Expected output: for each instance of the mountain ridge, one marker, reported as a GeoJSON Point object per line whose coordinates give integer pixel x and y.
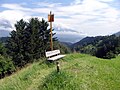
{"type": "Point", "coordinates": [117, 34]}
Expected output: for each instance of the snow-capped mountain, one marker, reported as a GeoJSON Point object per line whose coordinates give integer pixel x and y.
{"type": "Point", "coordinates": [65, 34]}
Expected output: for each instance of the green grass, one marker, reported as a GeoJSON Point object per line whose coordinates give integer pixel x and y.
{"type": "Point", "coordinates": [77, 72]}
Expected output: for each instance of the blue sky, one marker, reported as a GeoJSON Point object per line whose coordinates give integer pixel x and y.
{"type": "Point", "coordinates": [85, 17]}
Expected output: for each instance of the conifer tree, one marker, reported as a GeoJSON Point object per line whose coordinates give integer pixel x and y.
{"type": "Point", "coordinates": [29, 41]}
{"type": "Point", "coordinates": [15, 44]}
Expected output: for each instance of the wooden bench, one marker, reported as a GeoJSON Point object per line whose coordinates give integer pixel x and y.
{"type": "Point", "coordinates": [53, 55]}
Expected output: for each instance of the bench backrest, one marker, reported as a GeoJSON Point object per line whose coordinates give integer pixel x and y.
{"type": "Point", "coordinates": [52, 53]}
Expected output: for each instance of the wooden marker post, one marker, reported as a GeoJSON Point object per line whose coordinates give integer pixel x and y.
{"type": "Point", "coordinates": [51, 19]}
{"type": "Point", "coordinates": [58, 67]}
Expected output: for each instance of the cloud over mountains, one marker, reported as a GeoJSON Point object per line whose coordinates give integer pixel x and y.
{"type": "Point", "coordinates": [68, 35]}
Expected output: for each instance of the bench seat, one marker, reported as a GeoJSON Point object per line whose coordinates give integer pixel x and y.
{"type": "Point", "coordinates": [53, 55]}
{"type": "Point", "coordinates": [56, 57]}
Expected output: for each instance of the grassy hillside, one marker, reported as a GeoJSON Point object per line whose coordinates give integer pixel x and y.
{"type": "Point", "coordinates": [78, 72]}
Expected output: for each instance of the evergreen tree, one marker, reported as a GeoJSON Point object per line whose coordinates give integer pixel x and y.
{"type": "Point", "coordinates": [16, 42]}
{"type": "Point", "coordinates": [34, 39]}
{"type": "Point", "coordinates": [29, 41]}
{"type": "Point", "coordinates": [45, 35]}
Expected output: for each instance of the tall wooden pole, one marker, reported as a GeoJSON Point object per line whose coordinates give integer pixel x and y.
{"type": "Point", "coordinates": [51, 41]}
{"type": "Point", "coordinates": [51, 19]}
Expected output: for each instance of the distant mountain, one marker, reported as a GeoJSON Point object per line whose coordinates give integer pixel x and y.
{"type": "Point", "coordinates": [67, 43]}
{"type": "Point", "coordinates": [117, 34]}
{"type": "Point", "coordinates": [4, 33]}
{"type": "Point", "coordinates": [3, 39]}
{"type": "Point", "coordinates": [87, 40]}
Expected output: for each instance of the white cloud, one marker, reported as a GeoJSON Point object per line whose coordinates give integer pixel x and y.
{"type": "Point", "coordinates": [75, 2]}
{"type": "Point", "coordinates": [103, 17]}
{"type": "Point", "coordinates": [49, 5]}
{"type": "Point", "coordinates": [15, 7]}
{"type": "Point", "coordinates": [93, 17]}
{"type": "Point", "coordinates": [12, 15]}
{"type": "Point", "coordinates": [106, 0]}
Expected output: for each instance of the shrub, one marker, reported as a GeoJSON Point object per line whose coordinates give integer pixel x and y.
{"type": "Point", "coordinates": [6, 66]}
{"type": "Point", "coordinates": [110, 55]}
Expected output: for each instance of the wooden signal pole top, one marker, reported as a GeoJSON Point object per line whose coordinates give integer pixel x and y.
{"type": "Point", "coordinates": [51, 19]}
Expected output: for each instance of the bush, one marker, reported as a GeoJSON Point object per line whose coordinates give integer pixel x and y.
{"type": "Point", "coordinates": [110, 55]}
{"type": "Point", "coordinates": [6, 66]}
{"type": "Point", "coordinates": [63, 48]}
{"type": "Point", "coordinates": [2, 49]}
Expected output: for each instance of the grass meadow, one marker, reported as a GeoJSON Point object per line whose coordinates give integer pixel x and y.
{"type": "Point", "coordinates": [77, 72]}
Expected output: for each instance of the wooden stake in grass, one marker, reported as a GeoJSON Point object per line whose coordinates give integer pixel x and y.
{"type": "Point", "coordinates": [58, 66]}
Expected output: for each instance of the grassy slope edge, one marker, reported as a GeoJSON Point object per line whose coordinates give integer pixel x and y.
{"type": "Point", "coordinates": [78, 72]}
